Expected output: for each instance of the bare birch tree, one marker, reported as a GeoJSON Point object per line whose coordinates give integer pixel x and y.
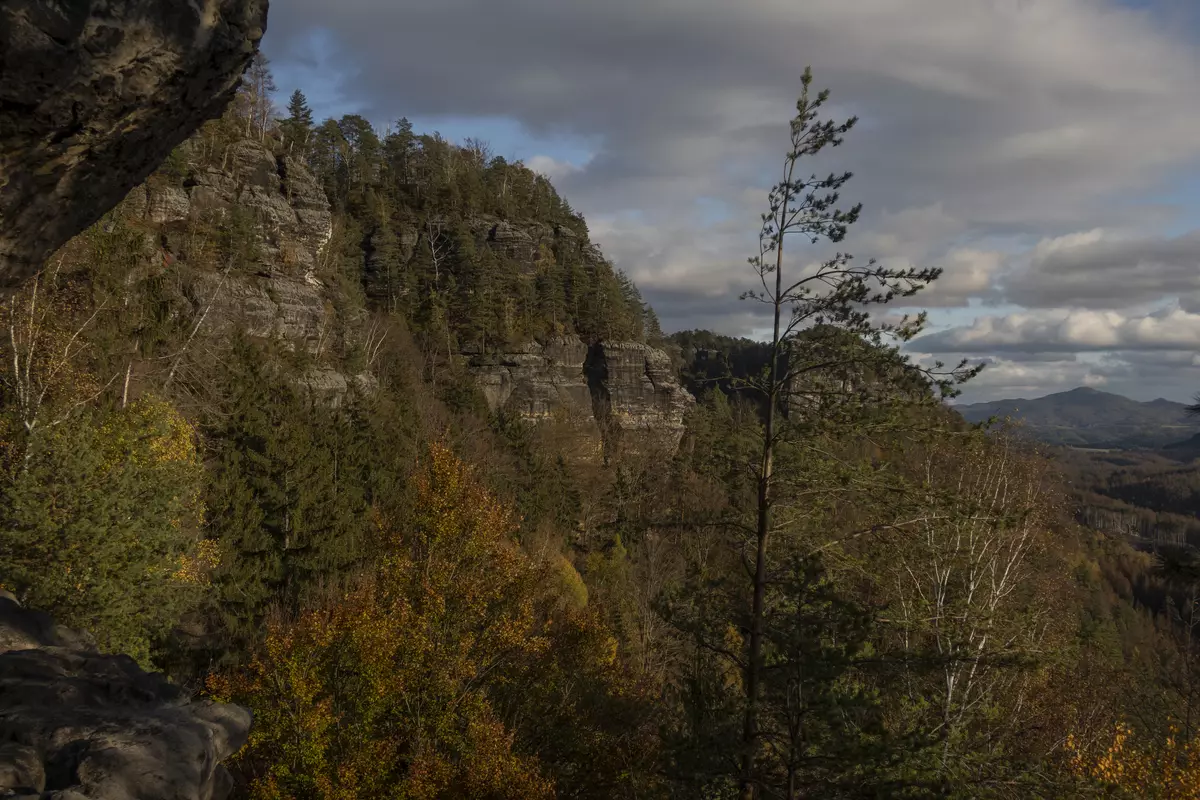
{"type": "Point", "coordinates": [45, 347]}
{"type": "Point", "coordinates": [966, 589]}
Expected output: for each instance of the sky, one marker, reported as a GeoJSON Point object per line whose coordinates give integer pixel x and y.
{"type": "Point", "coordinates": [1044, 153]}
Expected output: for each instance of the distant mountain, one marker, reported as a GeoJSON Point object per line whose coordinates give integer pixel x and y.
{"type": "Point", "coordinates": [1090, 418]}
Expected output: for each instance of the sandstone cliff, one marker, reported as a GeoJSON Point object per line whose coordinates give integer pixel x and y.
{"type": "Point", "coordinates": [76, 724]}
{"type": "Point", "coordinates": [288, 223]}
{"type": "Point", "coordinates": [611, 395]}
{"type": "Point", "coordinates": [93, 96]}
{"type": "Point", "coordinates": [610, 392]}
{"type": "Point", "coordinates": [636, 394]}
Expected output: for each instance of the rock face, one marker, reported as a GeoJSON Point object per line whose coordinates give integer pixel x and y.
{"type": "Point", "coordinates": [635, 392]}
{"type": "Point", "coordinates": [620, 394]}
{"type": "Point", "coordinates": [94, 95]}
{"type": "Point", "coordinates": [290, 214]}
{"type": "Point", "coordinates": [77, 725]}
{"type": "Point", "coordinates": [287, 223]}
{"type": "Point", "coordinates": [537, 381]}
{"type": "Point", "coordinates": [283, 210]}
{"type": "Point", "coordinates": [281, 220]}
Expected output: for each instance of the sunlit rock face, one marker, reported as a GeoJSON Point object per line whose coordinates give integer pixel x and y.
{"type": "Point", "coordinates": [636, 394]}
{"type": "Point", "coordinates": [606, 397]}
{"type": "Point", "coordinates": [94, 95]}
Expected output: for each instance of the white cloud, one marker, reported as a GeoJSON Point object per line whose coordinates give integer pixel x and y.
{"type": "Point", "coordinates": [1106, 269]}
{"type": "Point", "coordinates": [552, 168]}
{"type": "Point", "coordinates": [1074, 330]}
{"type": "Point", "coordinates": [1001, 139]}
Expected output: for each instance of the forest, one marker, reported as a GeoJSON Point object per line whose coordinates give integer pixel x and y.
{"type": "Point", "coordinates": [832, 586]}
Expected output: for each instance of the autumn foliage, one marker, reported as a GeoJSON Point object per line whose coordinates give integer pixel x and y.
{"type": "Point", "coordinates": [406, 684]}
{"type": "Point", "coordinates": [1130, 765]}
{"type": "Point", "coordinates": [102, 524]}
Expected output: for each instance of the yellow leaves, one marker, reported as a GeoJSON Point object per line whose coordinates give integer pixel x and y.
{"type": "Point", "coordinates": [150, 431]}
{"type": "Point", "coordinates": [1167, 770]}
{"type": "Point", "coordinates": [493, 769]}
{"type": "Point", "coordinates": [574, 590]}
{"type": "Point", "coordinates": [196, 567]}
{"type": "Point", "coordinates": [382, 687]}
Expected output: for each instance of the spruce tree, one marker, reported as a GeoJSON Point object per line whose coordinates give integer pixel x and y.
{"type": "Point", "coordinates": [298, 126]}
{"type": "Point", "coordinates": [101, 527]}
{"type": "Point", "coordinates": [287, 495]}
{"type": "Point", "coordinates": [387, 280]}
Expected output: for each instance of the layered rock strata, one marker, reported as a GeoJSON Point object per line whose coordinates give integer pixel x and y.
{"type": "Point", "coordinates": [287, 225]}
{"type": "Point", "coordinates": [611, 395]}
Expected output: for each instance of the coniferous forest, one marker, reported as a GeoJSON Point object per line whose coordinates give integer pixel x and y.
{"type": "Point", "coordinates": [246, 437]}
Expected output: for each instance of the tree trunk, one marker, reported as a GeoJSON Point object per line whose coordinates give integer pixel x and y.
{"type": "Point", "coordinates": [754, 655]}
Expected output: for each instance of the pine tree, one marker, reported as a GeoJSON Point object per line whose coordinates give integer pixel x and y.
{"type": "Point", "coordinates": [651, 326]}
{"type": "Point", "coordinates": [364, 150]}
{"type": "Point", "coordinates": [298, 126]}
{"type": "Point", "coordinates": [551, 295]}
{"type": "Point", "coordinates": [285, 497]}
{"type": "Point", "coordinates": [329, 159]}
{"type": "Point", "coordinates": [399, 154]}
{"type": "Point", "coordinates": [833, 375]}
{"type": "Point", "coordinates": [820, 723]}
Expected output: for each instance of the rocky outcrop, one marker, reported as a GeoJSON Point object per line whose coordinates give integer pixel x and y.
{"type": "Point", "coordinates": [622, 395]}
{"type": "Point", "coordinates": [283, 211]}
{"type": "Point", "coordinates": [94, 95]}
{"type": "Point", "coordinates": [78, 725]}
{"type": "Point", "coordinates": [544, 384]}
{"type": "Point", "coordinates": [636, 395]}
{"type": "Point", "coordinates": [536, 381]}
{"type": "Point", "coordinates": [269, 306]}
{"type": "Point", "coordinates": [280, 211]}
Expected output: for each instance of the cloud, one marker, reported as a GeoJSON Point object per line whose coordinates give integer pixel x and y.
{"type": "Point", "coordinates": [1102, 269]}
{"type": "Point", "coordinates": [1011, 142]}
{"type": "Point", "coordinates": [1001, 110]}
{"type": "Point", "coordinates": [1069, 331]}
{"type": "Point", "coordinates": [1008, 378]}
{"type": "Point", "coordinates": [553, 168]}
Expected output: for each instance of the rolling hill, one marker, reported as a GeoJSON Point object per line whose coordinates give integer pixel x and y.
{"type": "Point", "coordinates": [1091, 418]}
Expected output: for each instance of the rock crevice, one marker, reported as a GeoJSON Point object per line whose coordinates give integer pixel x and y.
{"type": "Point", "coordinates": [623, 395]}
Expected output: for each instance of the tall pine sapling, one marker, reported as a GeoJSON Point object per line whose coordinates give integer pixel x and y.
{"type": "Point", "coordinates": [823, 335]}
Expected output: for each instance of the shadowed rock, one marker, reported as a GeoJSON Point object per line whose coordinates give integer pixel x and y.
{"type": "Point", "coordinates": [94, 94]}
{"type": "Point", "coordinates": [78, 724]}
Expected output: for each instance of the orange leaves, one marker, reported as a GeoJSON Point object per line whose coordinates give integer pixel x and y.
{"type": "Point", "coordinates": [493, 770]}
{"type": "Point", "coordinates": [452, 669]}
{"type": "Point", "coordinates": [1167, 770]}
{"type": "Point", "coordinates": [383, 690]}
